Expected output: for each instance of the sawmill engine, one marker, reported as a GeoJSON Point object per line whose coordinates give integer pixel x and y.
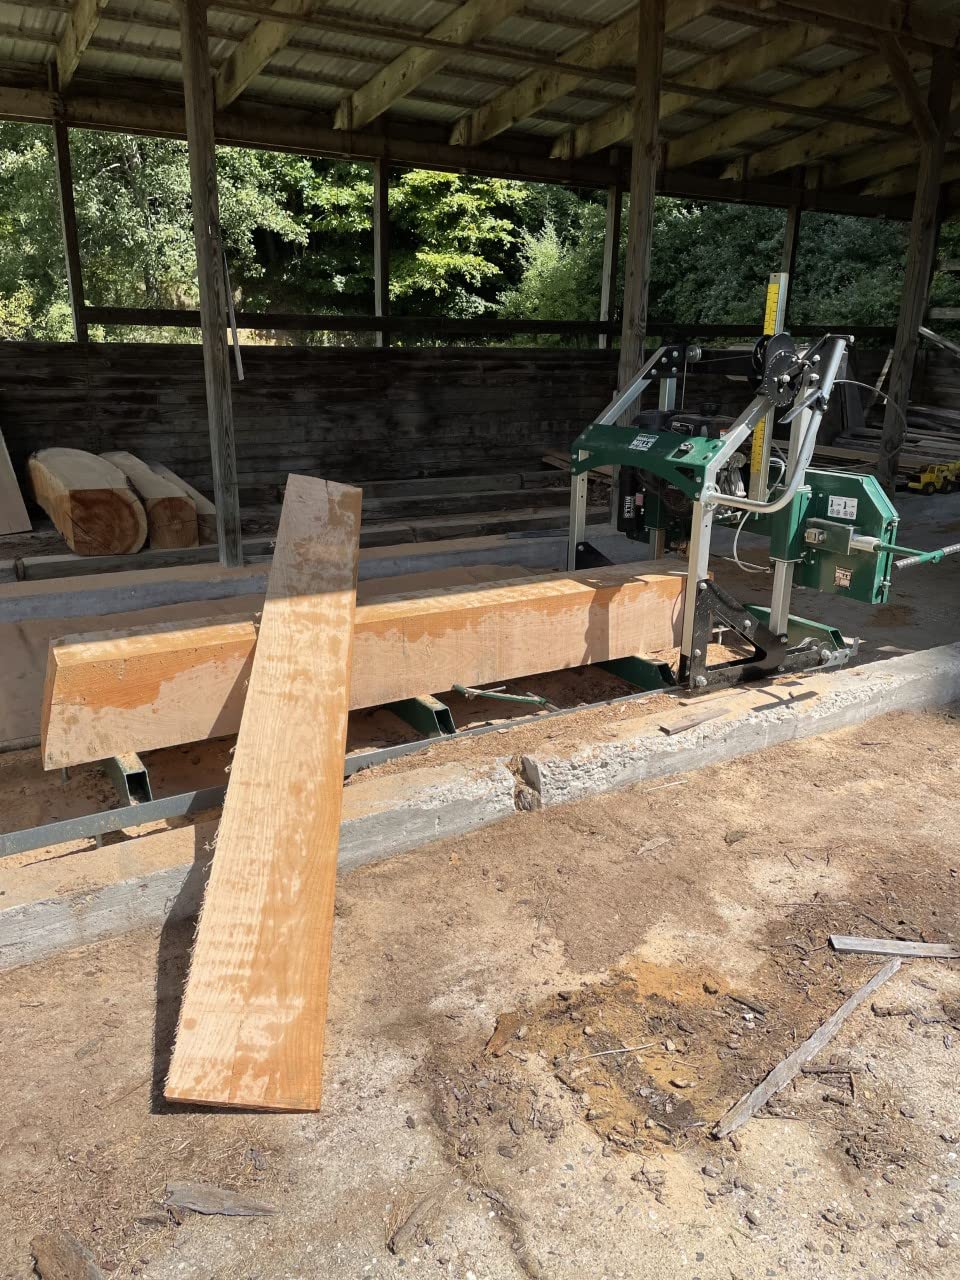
{"type": "Point", "coordinates": [648, 501]}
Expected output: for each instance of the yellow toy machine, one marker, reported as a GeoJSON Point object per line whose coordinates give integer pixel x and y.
{"type": "Point", "coordinates": [937, 477]}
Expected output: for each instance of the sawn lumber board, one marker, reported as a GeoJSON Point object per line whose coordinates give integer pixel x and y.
{"type": "Point", "coordinates": [13, 511]}
{"type": "Point", "coordinates": [152, 687]}
{"type": "Point", "coordinates": [252, 1021]}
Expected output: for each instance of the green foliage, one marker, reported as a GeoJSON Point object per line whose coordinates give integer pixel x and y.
{"type": "Point", "coordinates": [298, 237]}
{"type": "Point", "coordinates": [849, 270]}
{"type": "Point", "coordinates": [33, 291]}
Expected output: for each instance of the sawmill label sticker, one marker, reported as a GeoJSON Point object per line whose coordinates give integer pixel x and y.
{"type": "Point", "coordinates": [842, 577]}
{"type": "Point", "coordinates": [643, 442]}
{"type": "Point", "coordinates": [845, 508]}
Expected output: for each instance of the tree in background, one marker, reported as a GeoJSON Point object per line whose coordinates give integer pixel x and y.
{"type": "Point", "coordinates": [133, 218]}
{"type": "Point", "coordinates": [298, 237]}
{"type": "Point", "coordinates": [710, 263]}
{"type": "Point", "coordinates": [297, 233]}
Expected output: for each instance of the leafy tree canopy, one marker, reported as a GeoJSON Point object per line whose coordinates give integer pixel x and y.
{"type": "Point", "coordinates": [298, 237]}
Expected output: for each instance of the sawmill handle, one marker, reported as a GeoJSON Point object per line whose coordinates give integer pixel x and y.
{"type": "Point", "coordinates": [927, 557]}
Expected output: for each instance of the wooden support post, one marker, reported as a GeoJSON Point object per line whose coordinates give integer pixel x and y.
{"type": "Point", "coordinates": [788, 258]}
{"type": "Point", "coordinates": [644, 162]}
{"type": "Point", "coordinates": [611, 260]}
{"type": "Point", "coordinates": [68, 223]}
{"type": "Point", "coordinates": [916, 279]}
{"type": "Point", "coordinates": [381, 247]}
{"type": "Point", "coordinates": [643, 179]}
{"type": "Point", "coordinates": [201, 149]}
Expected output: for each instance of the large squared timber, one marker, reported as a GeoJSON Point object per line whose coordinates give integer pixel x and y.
{"type": "Point", "coordinates": [161, 686]}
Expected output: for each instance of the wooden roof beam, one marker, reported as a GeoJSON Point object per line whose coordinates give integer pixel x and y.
{"type": "Point", "coordinates": [256, 49]}
{"type": "Point", "coordinates": [284, 129]}
{"type": "Point", "coordinates": [829, 140]}
{"type": "Point", "coordinates": [872, 162]}
{"type": "Point", "coordinates": [471, 21]}
{"type": "Point", "coordinates": [80, 26]}
{"type": "Point", "coordinates": [902, 75]}
{"type": "Point", "coordinates": [919, 23]}
{"type": "Point", "coordinates": [904, 181]}
{"type": "Point", "coordinates": [757, 53]}
{"type": "Point", "coordinates": [872, 158]}
{"type": "Point", "coordinates": [842, 85]}
{"type": "Point", "coordinates": [533, 92]}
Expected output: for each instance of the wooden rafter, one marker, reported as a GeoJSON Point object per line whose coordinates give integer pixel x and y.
{"type": "Point", "coordinates": [902, 75]}
{"type": "Point", "coordinates": [828, 140]}
{"type": "Point", "coordinates": [873, 161]}
{"type": "Point", "coordinates": [80, 26]}
{"type": "Point", "coordinates": [470, 21]}
{"type": "Point", "coordinates": [256, 49]}
{"type": "Point", "coordinates": [535, 91]}
{"type": "Point", "coordinates": [751, 56]}
{"type": "Point", "coordinates": [904, 181]}
{"type": "Point", "coordinates": [918, 23]}
{"type": "Point", "coordinates": [842, 85]}
{"type": "Point", "coordinates": [281, 129]}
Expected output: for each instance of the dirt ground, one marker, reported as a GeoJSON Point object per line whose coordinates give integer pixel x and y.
{"type": "Point", "coordinates": [468, 1132]}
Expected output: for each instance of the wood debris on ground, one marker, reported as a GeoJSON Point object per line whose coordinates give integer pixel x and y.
{"type": "Point", "coordinates": [203, 1197]}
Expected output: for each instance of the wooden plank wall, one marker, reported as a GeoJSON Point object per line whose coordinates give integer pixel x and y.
{"type": "Point", "coordinates": [936, 379]}
{"type": "Point", "coordinates": [350, 414]}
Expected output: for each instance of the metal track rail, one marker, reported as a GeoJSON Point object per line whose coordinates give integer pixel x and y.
{"type": "Point", "coordinates": [95, 825]}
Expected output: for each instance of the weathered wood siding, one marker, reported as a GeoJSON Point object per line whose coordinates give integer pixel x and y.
{"type": "Point", "coordinates": [350, 414]}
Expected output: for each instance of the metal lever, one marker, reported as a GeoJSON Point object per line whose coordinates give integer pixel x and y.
{"type": "Point", "coordinates": [813, 396]}
{"type": "Point", "coordinates": [922, 557]}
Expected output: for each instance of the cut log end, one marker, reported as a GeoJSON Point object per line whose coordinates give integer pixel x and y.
{"type": "Point", "coordinates": [89, 502]}
{"type": "Point", "coordinates": [173, 523]}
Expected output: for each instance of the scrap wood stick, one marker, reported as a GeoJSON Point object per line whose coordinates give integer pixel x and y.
{"type": "Point", "coordinates": [894, 947]}
{"type": "Point", "coordinates": [782, 1074]}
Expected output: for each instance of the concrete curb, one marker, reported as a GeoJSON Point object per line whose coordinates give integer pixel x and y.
{"type": "Point", "coordinates": [82, 898]}
{"type": "Point", "coordinates": [638, 751]}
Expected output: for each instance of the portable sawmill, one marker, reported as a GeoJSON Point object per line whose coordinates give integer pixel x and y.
{"type": "Point", "coordinates": [677, 475]}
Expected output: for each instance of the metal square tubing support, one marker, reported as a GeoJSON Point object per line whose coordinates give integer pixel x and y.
{"type": "Point", "coordinates": [617, 407]}
{"type": "Point", "coordinates": [201, 150]}
{"type": "Point", "coordinates": [381, 247]}
{"type": "Point", "coordinates": [68, 223]}
{"type": "Point", "coordinates": [916, 277]}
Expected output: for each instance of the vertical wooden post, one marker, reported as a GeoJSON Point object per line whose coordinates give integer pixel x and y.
{"type": "Point", "coordinates": [643, 179]}
{"type": "Point", "coordinates": [916, 278]}
{"type": "Point", "coordinates": [201, 149]}
{"type": "Point", "coordinates": [611, 259]}
{"type": "Point", "coordinates": [788, 258]}
{"type": "Point", "coordinates": [68, 224]}
{"type": "Point", "coordinates": [381, 247]}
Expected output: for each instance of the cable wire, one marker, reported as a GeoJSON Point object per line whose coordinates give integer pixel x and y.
{"type": "Point", "coordinates": [881, 395]}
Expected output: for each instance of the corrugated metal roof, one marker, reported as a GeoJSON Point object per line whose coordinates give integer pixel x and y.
{"type": "Point", "coordinates": [138, 41]}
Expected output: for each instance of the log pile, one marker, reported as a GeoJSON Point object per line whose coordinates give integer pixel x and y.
{"type": "Point", "coordinates": [89, 501]}
{"type": "Point", "coordinates": [112, 504]}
